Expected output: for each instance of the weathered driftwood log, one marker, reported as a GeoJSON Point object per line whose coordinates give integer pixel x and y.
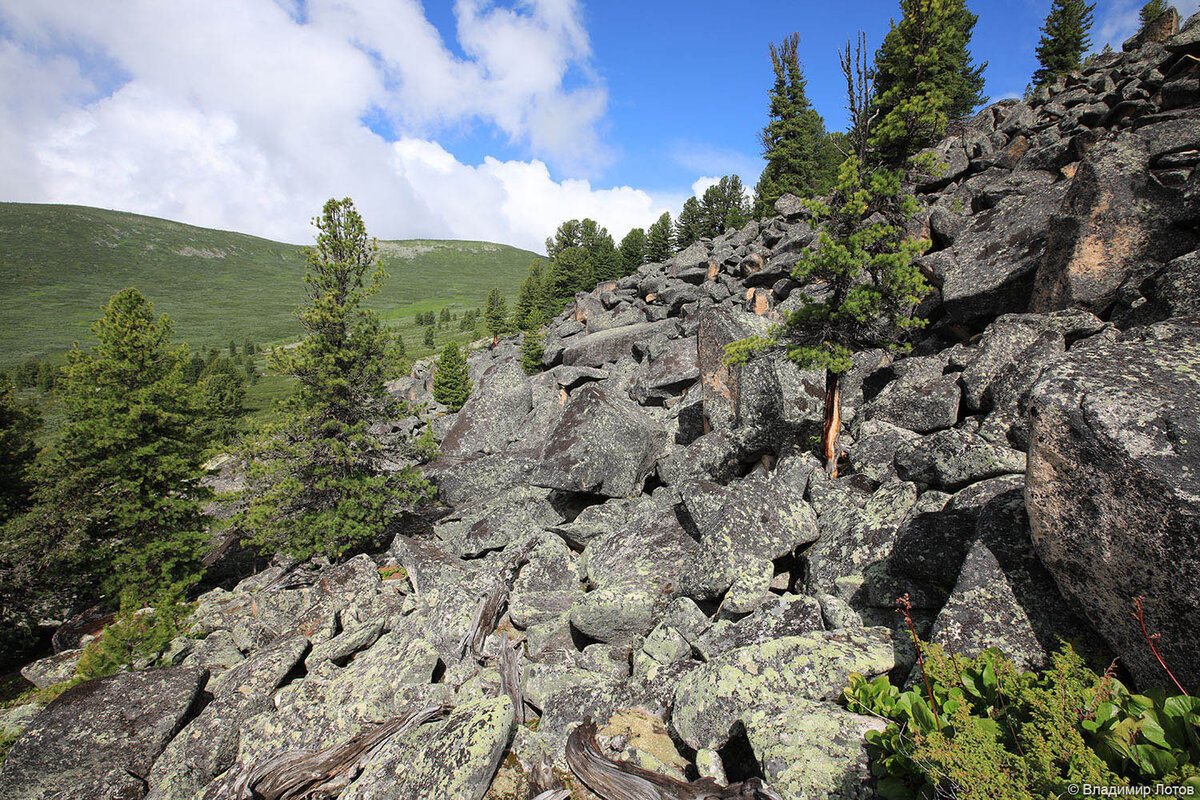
{"type": "Point", "coordinates": [619, 780]}
{"type": "Point", "coordinates": [510, 675]}
{"type": "Point", "coordinates": [308, 775]}
{"type": "Point", "coordinates": [491, 605]}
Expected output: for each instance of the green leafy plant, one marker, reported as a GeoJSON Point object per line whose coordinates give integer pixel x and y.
{"type": "Point", "coordinates": [981, 728]}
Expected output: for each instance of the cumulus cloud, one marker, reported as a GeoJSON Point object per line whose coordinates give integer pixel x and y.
{"type": "Point", "coordinates": [247, 114]}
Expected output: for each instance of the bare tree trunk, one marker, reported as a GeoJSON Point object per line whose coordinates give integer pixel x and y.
{"type": "Point", "coordinates": [833, 421]}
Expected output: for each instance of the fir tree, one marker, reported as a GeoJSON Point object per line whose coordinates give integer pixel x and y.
{"type": "Point", "coordinates": [689, 227]}
{"type": "Point", "coordinates": [660, 240]}
{"type": "Point", "coordinates": [1064, 39]}
{"type": "Point", "coordinates": [496, 312]}
{"type": "Point", "coordinates": [451, 386]}
{"type": "Point", "coordinates": [871, 286]}
{"type": "Point", "coordinates": [118, 507]}
{"type": "Point", "coordinates": [633, 251]}
{"type": "Point", "coordinates": [799, 157]}
{"type": "Point", "coordinates": [222, 398]}
{"type": "Point", "coordinates": [532, 349]}
{"type": "Point", "coordinates": [924, 77]}
{"type": "Point", "coordinates": [531, 303]}
{"type": "Point", "coordinates": [428, 340]}
{"type": "Point", "coordinates": [444, 316]}
{"type": "Point", "coordinates": [18, 424]}
{"type": "Point", "coordinates": [724, 206]}
{"type": "Point", "coordinates": [317, 486]}
{"type": "Point", "coordinates": [1152, 11]}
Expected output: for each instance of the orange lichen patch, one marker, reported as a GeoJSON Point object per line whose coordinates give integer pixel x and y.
{"type": "Point", "coordinates": [713, 269]}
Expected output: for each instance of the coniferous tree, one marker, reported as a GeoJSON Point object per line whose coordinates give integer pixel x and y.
{"type": "Point", "coordinates": [444, 316]}
{"type": "Point", "coordinates": [689, 228]}
{"type": "Point", "coordinates": [864, 261]}
{"type": "Point", "coordinates": [633, 251]}
{"type": "Point", "coordinates": [1065, 38]}
{"type": "Point", "coordinates": [800, 159]}
{"type": "Point", "coordinates": [924, 77]}
{"type": "Point", "coordinates": [530, 313]}
{"type": "Point", "coordinates": [724, 206]}
{"type": "Point", "coordinates": [222, 398]}
{"type": "Point", "coordinates": [660, 240]}
{"type": "Point", "coordinates": [532, 349]}
{"type": "Point", "coordinates": [18, 424]}
{"type": "Point", "coordinates": [316, 483]}
{"type": "Point", "coordinates": [496, 312]}
{"type": "Point", "coordinates": [451, 384]}
{"type": "Point", "coordinates": [428, 340]}
{"type": "Point", "coordinates": [1152, 11]}
{"type": "Point", "coordinates": [118, 507]}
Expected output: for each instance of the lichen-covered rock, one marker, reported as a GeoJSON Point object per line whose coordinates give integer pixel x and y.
{"type": "Point", "coordinates": [956, 458]}
{"type": "Point", "coordinates": [493, 413]}
{"type": "Point", "coordinates": [917, 404]}
{"type": "Point", "coordinates": [472, 529]}
{"type": "Point", "coordinates": [461, 480]}
{"type": "Point", "coordinates": [547, 586]}
{"type": "Point", "coordinates": [668, 372]}
{"type": "Point", "coordinates": [873, 452]}
{"type": "Point", "coordinates": [814, 752]}
{"type": "Point", "coordinates": [763, 516]}
{"type": "Point", "coordinates": [853, 538]}
{"type": "Point", "coordinates": [1113, 489]}
{"type": "Point", "coordinates": [52, 669]}
{"type": "Point", "coordinates": [605, 347]}
{"type": "Point", "coordinates": [603, 444]}
{"type": "Point", "coordinates": [92, 742]}
{"type": "Point", "coordinates": [769, 677]}
{"type": "Point", "coordinates": [616, 615]}
{"type": "Point", "coordinates": [791, 615]}
{"type": "Point", "coordinates": [455, 759]}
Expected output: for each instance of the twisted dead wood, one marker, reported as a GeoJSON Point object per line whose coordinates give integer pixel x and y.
{"type": "Point", "coordinates": [620, 780]}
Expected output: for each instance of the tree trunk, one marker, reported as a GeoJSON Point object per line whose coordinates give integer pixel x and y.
{"type": "Point", "coordinates": [833, 422]}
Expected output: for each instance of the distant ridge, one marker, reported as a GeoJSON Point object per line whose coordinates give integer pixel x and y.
{"type": "Point", "coordinates": [60, 263]}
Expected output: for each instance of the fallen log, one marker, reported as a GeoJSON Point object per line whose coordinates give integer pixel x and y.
{"type": "Point", "coordinates": [510, 676]}
{"type": "Point", "coordinates": [491, 605]}
{"type": "Point", "coordinates": [620, 780]}
{"type": "Point", "coordinates": [323, 774]}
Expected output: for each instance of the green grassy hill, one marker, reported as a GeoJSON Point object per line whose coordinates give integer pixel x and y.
{"type": "Point", "coordinates": [60, 264]}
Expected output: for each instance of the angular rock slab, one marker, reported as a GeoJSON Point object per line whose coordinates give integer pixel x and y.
{"type": "Point", "coordinates": [455, 760]}
{"type": "Point", "coordinates": [492, 415]}
{"type": "Point", "coordinates": [814, 752]}
{"type": "Point", "coordinates": [603, 444]}
{"type": "Point", "coordinates": [86, 743]}
{"type": "Point", "coordinates": [1113, 489]}
{"type": "Point", "coordinates": [770, 677]}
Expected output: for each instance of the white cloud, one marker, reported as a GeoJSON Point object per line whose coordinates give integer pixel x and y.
{"type": "Point", "coordinates": [247, 114]}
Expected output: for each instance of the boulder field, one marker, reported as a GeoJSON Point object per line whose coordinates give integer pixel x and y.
{"type": "Point", "coordinates": [640, 535]}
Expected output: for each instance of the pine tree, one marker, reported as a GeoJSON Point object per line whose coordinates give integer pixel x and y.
{"type": "Point", "coordinates": [799, 157]}
{"type": "Point", "coordinates": [633, 251]}
{"type": "Point", "coordinates": [871, 286]}
{"type": "Point", "coordinates": [533, 347]}
{"type": "Point", "coordinates": [444, 316]}
{"type": "Point", "coordinates": [1152, 11]}
{"type": "Point", "coordinates": [316, 480]}
{"type": "Point", "coordinates": [530, 313]}
{"type": "Point", "coordinates": [660, 240]}
{"type": "Point", "coordinates": [428, 340]}
{"type": "Point", "coordinates": [724, 206]}
{"type": "Point", "coordinates": [689, 228]}
{"type": "Point", "coordinates": [118, 507]}
{"type": "Point", "coordinates": [222, 399]}
{"type": "Point", "coordinates": [924, 77]}
{"type": "Point", "coordinates": [496, 312]}
{"type": "Point", "coordinates": [451, 385]}
{"type": "Point", "coordinates": [1064, 39]}
{"type": "Point", "coordinates": [18, 424]}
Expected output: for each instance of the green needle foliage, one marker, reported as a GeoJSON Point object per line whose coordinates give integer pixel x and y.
{"type": "Point", "coordinates": [689, 227]}
{"type": "Point", "coordinates": [800, 157]}
{"type": "Point", "coordinates": [660, 240]}
{"type": "Point", "coordinates": [1152, 11]}
{"type": "Point", "coordinates": [18, 424]}
{"type": "Point", "coordinates": [496, 313]}
{"type": "Point", "coordinates": [1064, 39]}
{"type": "Point", "coordinates": [118, 507]}
{"type": "Point", "coordinates": [924, 77]}
{"type": "Point", "coordinates": [633, 250]}
{"type": "Point", "coordinates": [533, 347]}
{"type": "Point", "coordinates": [451, 386]}
{"type": "Point", "coordinates": [317, 485]}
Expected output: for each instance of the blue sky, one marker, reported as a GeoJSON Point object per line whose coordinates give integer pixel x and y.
{"type": "Point", "coordinates": [489, 119]}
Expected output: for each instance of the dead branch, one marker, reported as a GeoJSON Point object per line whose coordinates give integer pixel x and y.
{"type": "Point", "coordinates": [326, 773]}
{"type": "Point", "coordinates": [620, 780]}
{"type": "Point", "coordinates": [491, 605]}
{"type": "Point", "coordinates": [510, 676]}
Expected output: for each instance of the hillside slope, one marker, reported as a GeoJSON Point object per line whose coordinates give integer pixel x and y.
{"type": "Point", "coordinates": [59, 265]}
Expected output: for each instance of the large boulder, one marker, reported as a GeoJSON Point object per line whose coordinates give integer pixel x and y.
{"type": "Point", "coordinates": [98, 740]}
{"type": "Point", "coordinates": [1113, 489]}
{"type": "Point", "coordinates": [1115, 217]}
{"type": "Point", "coordinates": [490, 418]}
{"type": "Point", "coordinates": [604, 347]}
{"type": "Point", "coordinates": [603, 444]}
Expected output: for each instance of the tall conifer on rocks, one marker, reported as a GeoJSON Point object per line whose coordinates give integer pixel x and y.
{"type": "Point", "coordinates": [689, 228]}
{"type": "Point", "coordinates": [496, 314]}
{"type": "Point", "coordinates": [18, 424]}
{"type": "Point", "coordinates": [118, 507]}
{"type": "Point", "coordinates": [1065, 38]}
{"type": "Point", "coordinates": [451, 384]}
{"type": "Point", "coordinates": [317, 484]}
{"type": "Point", "coordinates": [871, 286]}
{"type": "Point", "coordinates": [924, 76]}
{"type": "Point", "coordinates": [660, 240]}
{"type": "Point", "coordinates": [633, 250]}
{"type": "Point", "coordinates": [1152, 11]}
{"type": "Point", "coordinates": [800, 158]}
